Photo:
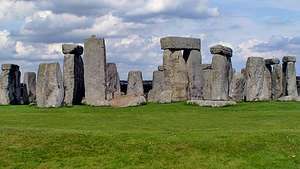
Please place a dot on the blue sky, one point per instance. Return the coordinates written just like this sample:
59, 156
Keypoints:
32, 32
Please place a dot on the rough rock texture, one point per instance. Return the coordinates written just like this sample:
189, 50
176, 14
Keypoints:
180, 43
220, 78
135, 83
195, 75
221, 50
158, 85
277, 81
237, 87
255, 69
24, 94
211, 103
272, 61
128, 101
161, 68
10, 86
207, 81
289, 76
113, 88
266, 93
289, 98
50, 90
72, 49
73, 79
30, 82
95, 71
176, 76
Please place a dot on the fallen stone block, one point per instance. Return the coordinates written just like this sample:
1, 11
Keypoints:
128, 101
211, 103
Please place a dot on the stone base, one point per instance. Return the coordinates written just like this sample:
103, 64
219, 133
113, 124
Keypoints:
211, 103
128, 101
289, 98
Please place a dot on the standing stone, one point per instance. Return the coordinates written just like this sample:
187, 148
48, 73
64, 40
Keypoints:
207, 81
50, 90
266, 93
176, 76
113, 88
73, 74
289, 76
95, 71
135, 83
30, 82
24, 99
221, 72
237, 87
10, 86
195, 75
255, 69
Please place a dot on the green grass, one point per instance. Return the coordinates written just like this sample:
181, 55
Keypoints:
264, 135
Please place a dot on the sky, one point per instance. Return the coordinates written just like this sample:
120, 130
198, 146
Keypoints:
32, 32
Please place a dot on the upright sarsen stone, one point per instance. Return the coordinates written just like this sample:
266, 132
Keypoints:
73, 74
289, 76
277, 78
255, 69
30, 82
207, 81
135, 83
237, 87
50, 90
10, 86
113, 87
95, 71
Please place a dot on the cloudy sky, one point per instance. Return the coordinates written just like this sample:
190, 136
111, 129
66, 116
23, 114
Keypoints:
32, 31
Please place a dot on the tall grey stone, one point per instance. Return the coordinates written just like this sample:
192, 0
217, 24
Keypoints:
73, 74
50, 90
10, 86
221, 72
113, 87
195, 75
237, 87
277, 87
175, 73
255, 70
95, 71
30, 81
135, 83
24, 99
207, 81
289, 76
266, 93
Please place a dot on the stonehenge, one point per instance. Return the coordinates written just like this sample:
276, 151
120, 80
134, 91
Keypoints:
181, 77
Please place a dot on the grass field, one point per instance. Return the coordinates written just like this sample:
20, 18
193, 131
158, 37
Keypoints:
264, 135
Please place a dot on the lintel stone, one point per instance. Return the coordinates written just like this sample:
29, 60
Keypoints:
272, 61
289, 59
180, 43
72, 49
221, 50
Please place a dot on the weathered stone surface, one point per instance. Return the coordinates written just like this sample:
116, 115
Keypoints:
73, 77
272, 61
128, 101
10, 86
195, 75
289, 98
113, 88
30, 82
159, 92
221, 50
277, 87
266, 93
255, 69
180, 43
220, 78
160, 68
207, 81
24, 94
289, 59
135, 83
212, 103
95, 71
237, 87
72, 49
50, 90
176, 76
289, 79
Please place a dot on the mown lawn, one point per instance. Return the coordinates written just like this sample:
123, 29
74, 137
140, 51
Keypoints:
264, 135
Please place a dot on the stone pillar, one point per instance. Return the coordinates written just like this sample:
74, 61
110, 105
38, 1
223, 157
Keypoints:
50, 90
30, 82
113, 88
135, 83
273, 65
289, 76
237, 87
24, 99
10, 86
73, 74
255, 69
266, 93
95, 71
221, 70
207, 81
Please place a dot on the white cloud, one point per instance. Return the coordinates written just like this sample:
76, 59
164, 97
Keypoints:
15, 9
